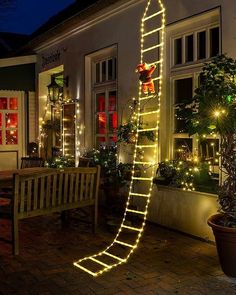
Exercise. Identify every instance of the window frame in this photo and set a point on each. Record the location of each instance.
(184, 35)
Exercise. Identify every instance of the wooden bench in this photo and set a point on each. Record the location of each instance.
(53, 191)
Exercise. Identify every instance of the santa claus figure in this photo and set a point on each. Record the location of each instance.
(145, 72)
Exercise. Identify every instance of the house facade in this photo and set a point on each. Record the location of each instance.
(93, 55)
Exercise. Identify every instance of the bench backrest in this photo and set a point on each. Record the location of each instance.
(55, 190)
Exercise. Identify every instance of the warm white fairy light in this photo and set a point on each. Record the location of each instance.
(147, 196)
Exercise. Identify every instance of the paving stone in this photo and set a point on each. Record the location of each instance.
(165, 263)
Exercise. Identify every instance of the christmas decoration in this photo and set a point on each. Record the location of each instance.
(145, 77)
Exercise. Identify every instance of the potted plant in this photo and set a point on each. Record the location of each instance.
(212, 111)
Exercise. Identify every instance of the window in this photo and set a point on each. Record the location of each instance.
(197, 46)
(201, 49)
(9, 121)
(185, 148)
(183, 91)
(106, 117)
(105, 102)
(178, 51)
(105, 70)
(214, 41)
(189, 48)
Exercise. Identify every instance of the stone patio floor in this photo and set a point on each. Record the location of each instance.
(166, 262)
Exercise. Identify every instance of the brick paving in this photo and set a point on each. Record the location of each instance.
(165, 263)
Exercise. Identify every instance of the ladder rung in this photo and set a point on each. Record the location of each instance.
(152, 47)
(142, 178)
(146, 146)
(99, 262)
(149, 96)
(153, 15)
(124, 244)
(153, 31)
(147, 129)
(85, 269)
(113, 256)
(143, 163)
(132, 228)
(140, 195)
(135, 211)
(157, 78)
(149, 113)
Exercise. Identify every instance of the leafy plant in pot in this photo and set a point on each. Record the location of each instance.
(212, 111)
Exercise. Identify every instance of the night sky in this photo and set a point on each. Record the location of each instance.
(25, 16)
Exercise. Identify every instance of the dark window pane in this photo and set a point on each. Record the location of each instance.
(178, 51)
(183, 92)
(114, 67)
(201, 45)
(183, 89)
(3, 103)
(183, 148)
(103, 71)
(214, 41)
(97, 72)
(110, 69)
(0, 137)
(112, 101)
(100, 97)
(189, 48)
(209, 151)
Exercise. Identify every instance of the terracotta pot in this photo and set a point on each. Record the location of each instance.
(225, 238)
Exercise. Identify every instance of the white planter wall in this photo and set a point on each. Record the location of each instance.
(184, 211)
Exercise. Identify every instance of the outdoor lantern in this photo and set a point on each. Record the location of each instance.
(54, 90)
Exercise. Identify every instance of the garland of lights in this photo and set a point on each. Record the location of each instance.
(98, 259)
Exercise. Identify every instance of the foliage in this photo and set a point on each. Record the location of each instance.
(185, 174)
(126, 133)
(60, 162)
(213, 111)
(113, 173)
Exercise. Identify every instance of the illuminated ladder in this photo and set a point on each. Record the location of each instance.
(157, 58)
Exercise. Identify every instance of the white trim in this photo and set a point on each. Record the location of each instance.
(19, 60)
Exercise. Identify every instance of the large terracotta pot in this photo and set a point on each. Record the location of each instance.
(225, 238)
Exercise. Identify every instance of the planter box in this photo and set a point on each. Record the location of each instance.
(183, 210)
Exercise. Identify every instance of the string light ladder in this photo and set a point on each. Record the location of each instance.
(145, 153)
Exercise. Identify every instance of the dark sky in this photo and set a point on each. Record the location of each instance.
(25, 16)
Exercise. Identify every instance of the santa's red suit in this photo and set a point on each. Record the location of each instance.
(145, 72)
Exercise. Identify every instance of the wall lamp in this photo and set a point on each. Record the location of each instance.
(55, 88)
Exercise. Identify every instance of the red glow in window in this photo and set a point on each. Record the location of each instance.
(13, 103)
(112, 101)
(11, 137)
(11, 120)
(101, 124)
(113, 139)
(113, 122)
(101, 102)
(0, 120)
(0, 137)
(3, 103)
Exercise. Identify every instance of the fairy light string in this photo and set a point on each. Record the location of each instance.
(149, 149)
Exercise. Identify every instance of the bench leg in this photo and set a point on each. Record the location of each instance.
(15, 236)
(95, 218)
